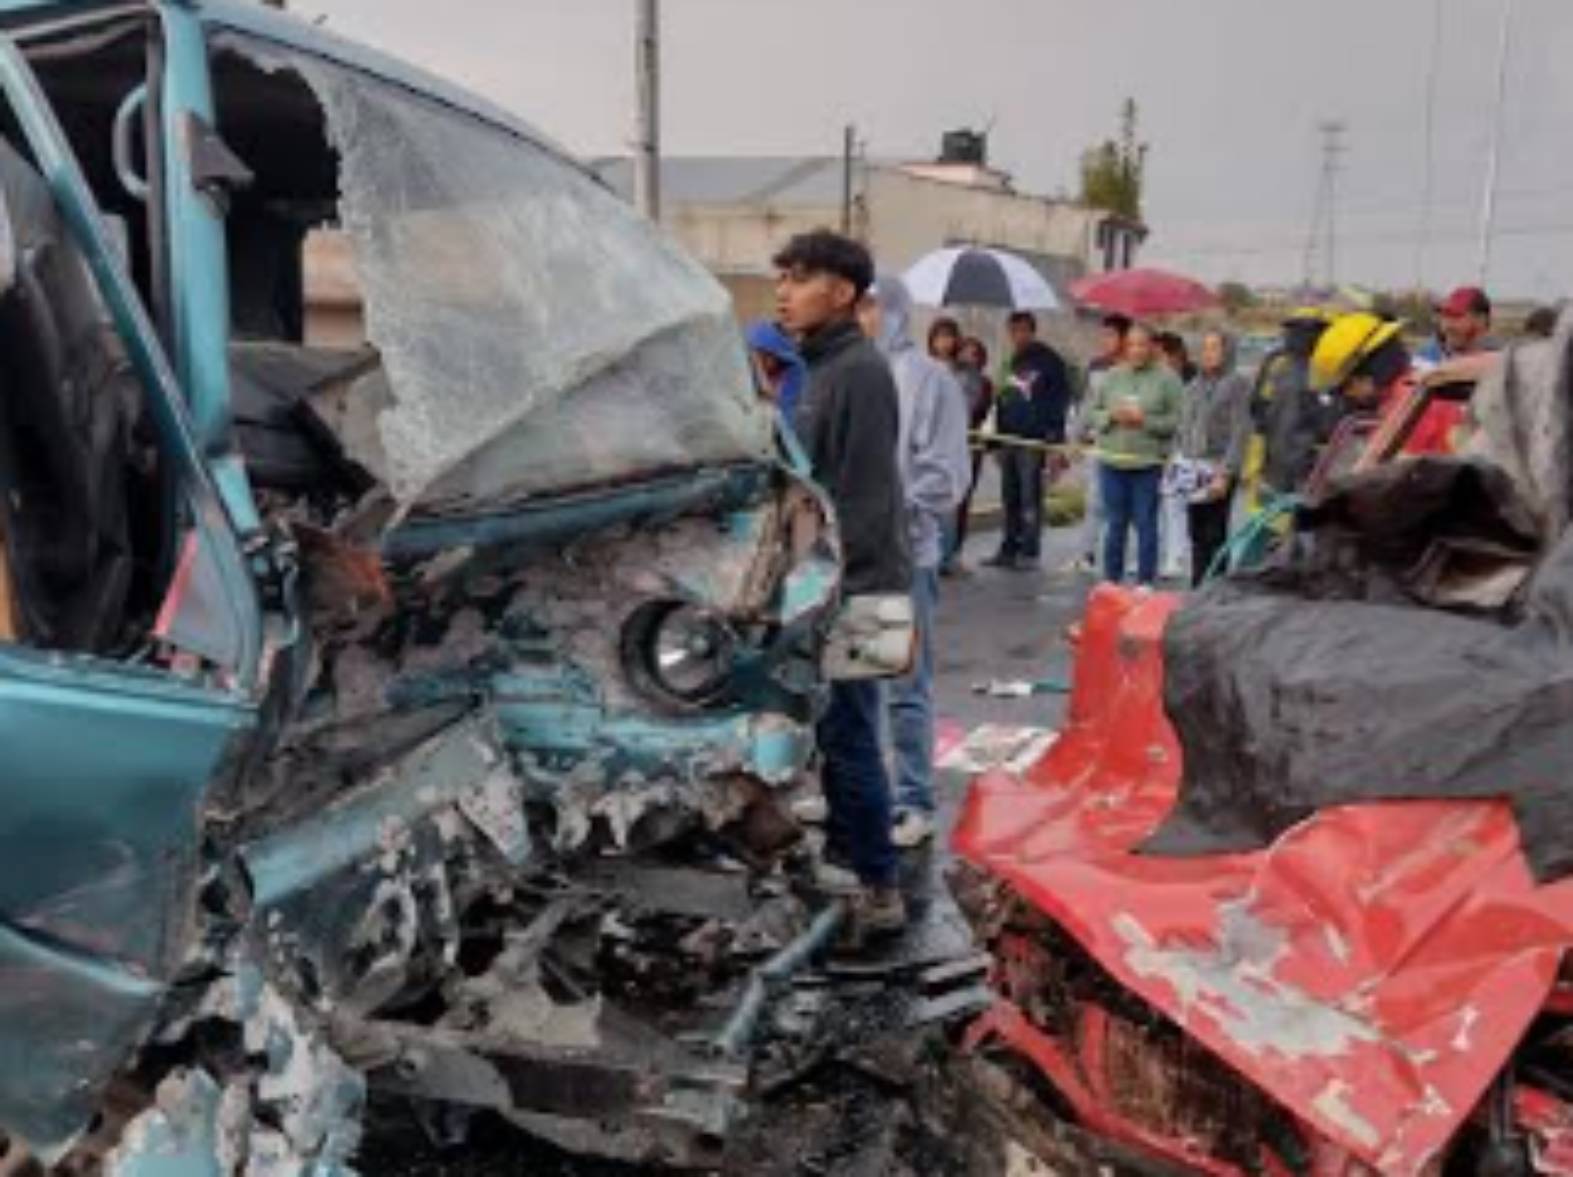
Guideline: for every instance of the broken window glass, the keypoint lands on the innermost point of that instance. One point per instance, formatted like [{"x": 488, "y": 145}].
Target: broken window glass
[{"x": 536, "y": 334}]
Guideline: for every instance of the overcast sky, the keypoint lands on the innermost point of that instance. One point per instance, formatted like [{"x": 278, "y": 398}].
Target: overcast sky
[{"x": 1230, "y": 94}]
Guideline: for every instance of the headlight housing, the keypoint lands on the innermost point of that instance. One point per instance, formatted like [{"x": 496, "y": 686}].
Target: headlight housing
[{"x": 678, "y": 653}]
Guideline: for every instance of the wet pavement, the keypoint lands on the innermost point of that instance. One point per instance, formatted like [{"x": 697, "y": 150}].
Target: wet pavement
[
  {"x": 1008, "y": 626},
  {"x": 852, "y": 1109}
]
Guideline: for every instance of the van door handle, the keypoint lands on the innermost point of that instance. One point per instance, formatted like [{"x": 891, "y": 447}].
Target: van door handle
[{"x": 130, "y": 107}]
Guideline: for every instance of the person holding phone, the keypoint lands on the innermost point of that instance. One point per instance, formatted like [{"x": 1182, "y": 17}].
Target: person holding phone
[{"x": 1135, "y": 415}]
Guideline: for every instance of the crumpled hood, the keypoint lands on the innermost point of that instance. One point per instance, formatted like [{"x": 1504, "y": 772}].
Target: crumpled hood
[{"x": 1372, "y": 971}]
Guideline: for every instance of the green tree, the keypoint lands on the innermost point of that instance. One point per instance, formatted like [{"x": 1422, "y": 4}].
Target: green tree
[
  {"x": 1236, "y": 297},
  {"x": 1112, "y": 172},
  {"x": 1414, "y": 308}
]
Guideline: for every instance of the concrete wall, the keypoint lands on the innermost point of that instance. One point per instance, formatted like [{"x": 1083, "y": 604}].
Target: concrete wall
[
  {"x": 334, "y": 314},
  {"x": 741, "y": 239},
  {"x": 910, "y": 215},
  {"x": 971, "y": 174},
  {"x": 901, "y": 215},
  {"x": 754, "y": 295}
]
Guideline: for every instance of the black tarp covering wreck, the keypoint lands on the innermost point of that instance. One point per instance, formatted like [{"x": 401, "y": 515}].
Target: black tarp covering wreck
[{"x": 1414, "y": 640}]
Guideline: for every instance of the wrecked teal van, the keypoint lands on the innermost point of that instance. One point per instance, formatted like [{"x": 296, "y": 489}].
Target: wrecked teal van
[{"x": 402, "y": 587}]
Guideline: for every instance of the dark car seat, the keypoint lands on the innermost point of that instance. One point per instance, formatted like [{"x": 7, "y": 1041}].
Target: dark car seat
[{"x": 68, "y": 402}]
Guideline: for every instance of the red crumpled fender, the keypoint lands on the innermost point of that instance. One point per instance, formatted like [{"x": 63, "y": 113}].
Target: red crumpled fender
[{"x": 1372, "y": 970}]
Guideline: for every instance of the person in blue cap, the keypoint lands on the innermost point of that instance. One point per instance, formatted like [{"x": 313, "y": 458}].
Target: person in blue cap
[{"x": 781, "y": 364}]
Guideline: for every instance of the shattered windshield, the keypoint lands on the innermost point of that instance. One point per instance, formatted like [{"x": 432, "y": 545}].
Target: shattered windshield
[{"x": 536, "y": 334}]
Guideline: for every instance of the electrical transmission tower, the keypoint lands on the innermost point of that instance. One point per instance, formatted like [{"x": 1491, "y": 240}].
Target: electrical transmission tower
[{"x": 1324, "y": 211}]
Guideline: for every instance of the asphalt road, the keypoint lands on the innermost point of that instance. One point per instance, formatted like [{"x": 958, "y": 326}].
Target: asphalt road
[{"x": 1006, "y": 626}]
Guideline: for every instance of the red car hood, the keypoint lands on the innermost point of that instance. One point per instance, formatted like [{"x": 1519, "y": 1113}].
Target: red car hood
[{"x": 1372, "y": 970}]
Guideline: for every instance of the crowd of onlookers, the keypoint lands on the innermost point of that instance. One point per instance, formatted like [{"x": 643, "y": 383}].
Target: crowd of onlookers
[{"x": 1173, "y": 450}]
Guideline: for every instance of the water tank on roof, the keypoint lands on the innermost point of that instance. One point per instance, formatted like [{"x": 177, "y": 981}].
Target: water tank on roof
[{"x": 964, "y": 146}]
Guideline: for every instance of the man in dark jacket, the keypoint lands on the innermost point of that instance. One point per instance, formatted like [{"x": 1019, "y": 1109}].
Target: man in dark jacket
[
  {"x": 1292, "y": 421},
  {"x": 1033, "y": 406},
  {"x": 849, "y": 422}
]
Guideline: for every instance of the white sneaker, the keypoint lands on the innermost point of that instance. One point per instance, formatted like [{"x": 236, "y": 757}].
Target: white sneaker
[
  {"x": 913, "y": 827},
  {"x": 833, "y": 879},
  {"x": 811, "y": 810}
]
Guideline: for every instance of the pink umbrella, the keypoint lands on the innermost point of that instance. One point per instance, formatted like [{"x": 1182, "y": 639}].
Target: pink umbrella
[{"x": 1143, "y": 294}]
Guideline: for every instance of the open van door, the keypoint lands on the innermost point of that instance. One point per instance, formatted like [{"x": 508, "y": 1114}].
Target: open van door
[{"x": 113, "y": 729}]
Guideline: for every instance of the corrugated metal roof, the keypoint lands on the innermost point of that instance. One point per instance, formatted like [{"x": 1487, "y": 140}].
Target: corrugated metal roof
[{"x": 780, "y": 181}]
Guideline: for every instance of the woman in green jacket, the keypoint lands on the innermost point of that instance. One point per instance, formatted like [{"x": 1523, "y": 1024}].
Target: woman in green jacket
[{"x": 1135, "y": 416}]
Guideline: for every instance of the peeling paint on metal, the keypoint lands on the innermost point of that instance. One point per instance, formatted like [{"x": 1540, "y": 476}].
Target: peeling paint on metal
[
  {"x": 1234, "y": 984},
  {"x": 314, "y": 1096},
  {"x": 1337, "y": 946},
  {"x": 1452, "y": 949},
  {"x": 1333, "y": 1105},
  {"x": 177, "y": 1137},
  {"x": 1467, "y": 1017}
]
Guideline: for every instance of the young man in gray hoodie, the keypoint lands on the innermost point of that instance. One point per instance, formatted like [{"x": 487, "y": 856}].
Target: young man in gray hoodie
[{"x": 936, "y": 469}]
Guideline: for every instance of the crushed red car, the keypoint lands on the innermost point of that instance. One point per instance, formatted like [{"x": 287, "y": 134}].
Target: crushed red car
[
  {"x": 1292, "y": 891},
  {"x": 1345, "y": 1001}
]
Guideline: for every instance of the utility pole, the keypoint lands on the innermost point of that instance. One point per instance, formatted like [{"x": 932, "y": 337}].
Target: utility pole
[
  {"x": 1488, "y": 210},
  {"x": 1325, "y": 207},
  {"x": 1332, "y": 155},
  {"x": 1428, "y": 178},
  {"x": 647, "y": 156},
  {"x": 848, "y": 151}
]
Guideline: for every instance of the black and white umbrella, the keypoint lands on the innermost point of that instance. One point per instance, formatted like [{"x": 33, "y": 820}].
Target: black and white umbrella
[{"x": 975, "y": 276}]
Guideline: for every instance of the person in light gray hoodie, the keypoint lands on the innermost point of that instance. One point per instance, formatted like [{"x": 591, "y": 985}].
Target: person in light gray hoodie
[
  {"x": 1215, "y": 426},
  {"x": 936, "y": 468}
]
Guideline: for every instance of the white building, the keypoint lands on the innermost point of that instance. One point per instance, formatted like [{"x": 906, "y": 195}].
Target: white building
[{"x": 734, "y": 212}]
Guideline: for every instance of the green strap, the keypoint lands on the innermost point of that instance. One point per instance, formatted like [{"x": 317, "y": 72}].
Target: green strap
[{"x": 1249, "y": 545}]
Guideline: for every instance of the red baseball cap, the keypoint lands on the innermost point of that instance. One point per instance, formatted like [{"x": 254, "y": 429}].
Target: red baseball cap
[{"x": 1466, "y": 300}]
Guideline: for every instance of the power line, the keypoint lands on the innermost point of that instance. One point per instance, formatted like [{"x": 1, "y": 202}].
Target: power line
[
  {"x": 1428, "y": 181},
  {"x": 1325, "y": 206},
  {"x": 848, "y": 154},
  {"x": 1370, "y": 205},
  {"x": 1394, "y": 237},
  {"x": 1493, "y": 161}
]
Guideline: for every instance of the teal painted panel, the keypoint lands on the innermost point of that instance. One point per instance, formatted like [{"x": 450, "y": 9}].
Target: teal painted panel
[
  {"x": 66, "y": 1023},
  {"x": 100, "y": 803}
]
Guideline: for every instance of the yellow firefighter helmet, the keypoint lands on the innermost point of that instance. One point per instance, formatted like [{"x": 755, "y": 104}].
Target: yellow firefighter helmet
[{"x": 1345, "y": 345}]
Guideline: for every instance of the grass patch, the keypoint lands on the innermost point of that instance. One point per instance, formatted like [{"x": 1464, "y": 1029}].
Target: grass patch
[{"x": 1064, "y": 505}]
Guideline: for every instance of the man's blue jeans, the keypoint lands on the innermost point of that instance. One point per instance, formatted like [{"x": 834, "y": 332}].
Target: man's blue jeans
[
  {"x": 857, "y": 791},
  {"x": 1130, "y": 497},
  {"x": 911, "y": 705}
]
